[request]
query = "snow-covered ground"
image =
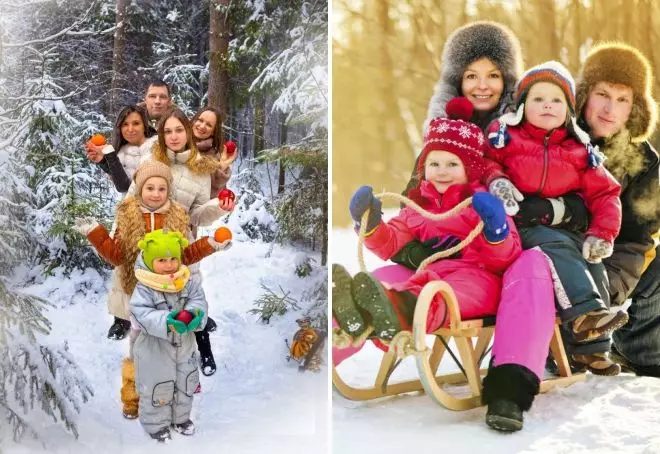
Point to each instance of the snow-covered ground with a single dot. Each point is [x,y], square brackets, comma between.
[602,414]
[256,402]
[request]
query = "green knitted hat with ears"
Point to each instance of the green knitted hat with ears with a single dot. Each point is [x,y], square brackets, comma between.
[161,243]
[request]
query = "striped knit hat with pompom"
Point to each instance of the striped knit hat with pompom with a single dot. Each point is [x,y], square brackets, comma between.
[550,71]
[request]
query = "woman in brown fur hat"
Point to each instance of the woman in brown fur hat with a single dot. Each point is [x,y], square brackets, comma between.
[151,209]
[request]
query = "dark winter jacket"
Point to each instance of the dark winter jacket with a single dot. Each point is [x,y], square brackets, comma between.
[634,248]
[552,164]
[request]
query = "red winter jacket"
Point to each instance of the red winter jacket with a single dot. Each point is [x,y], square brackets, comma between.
[552,164]
[388,238]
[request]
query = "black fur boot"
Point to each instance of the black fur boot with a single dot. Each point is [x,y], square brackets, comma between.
[508,390]
[205,353]
[119,329]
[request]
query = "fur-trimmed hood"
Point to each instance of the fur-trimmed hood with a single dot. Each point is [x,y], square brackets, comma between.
[619,63]
[467,44]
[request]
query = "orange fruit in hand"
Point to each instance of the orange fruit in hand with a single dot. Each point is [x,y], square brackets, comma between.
[98,139]
[222,234]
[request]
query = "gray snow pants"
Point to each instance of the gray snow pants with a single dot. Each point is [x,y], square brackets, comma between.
[166,376]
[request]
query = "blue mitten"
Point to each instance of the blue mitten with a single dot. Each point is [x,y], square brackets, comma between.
[491,210]
[362,200]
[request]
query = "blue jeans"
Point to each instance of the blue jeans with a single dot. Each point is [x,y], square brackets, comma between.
[639,340]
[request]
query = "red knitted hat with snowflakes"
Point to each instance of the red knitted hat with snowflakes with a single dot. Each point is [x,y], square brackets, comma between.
[456,135]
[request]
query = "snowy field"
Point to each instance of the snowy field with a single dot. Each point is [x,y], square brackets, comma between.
[255,403]
[602,414]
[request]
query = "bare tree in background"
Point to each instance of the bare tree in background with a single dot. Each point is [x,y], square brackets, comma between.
[218,48]
[118,60]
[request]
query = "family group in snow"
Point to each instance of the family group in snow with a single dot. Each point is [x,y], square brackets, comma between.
[170,169]
[562,175]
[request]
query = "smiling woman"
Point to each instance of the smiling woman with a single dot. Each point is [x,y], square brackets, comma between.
[482,84]
[481,61]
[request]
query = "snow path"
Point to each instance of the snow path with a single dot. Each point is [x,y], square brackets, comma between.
[255,401]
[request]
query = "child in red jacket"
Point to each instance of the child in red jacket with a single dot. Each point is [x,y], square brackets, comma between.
[449,167]
[540,150]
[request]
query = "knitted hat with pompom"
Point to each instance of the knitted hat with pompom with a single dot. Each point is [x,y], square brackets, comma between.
[456,135]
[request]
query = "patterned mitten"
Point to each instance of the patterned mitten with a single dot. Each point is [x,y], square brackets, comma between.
[507,193]
[594,249]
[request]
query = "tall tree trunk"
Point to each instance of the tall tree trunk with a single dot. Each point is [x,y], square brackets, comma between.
[118,62]
[259,124]
[284,133]
[577,40]
[548,30]
[324,236]
[218,49]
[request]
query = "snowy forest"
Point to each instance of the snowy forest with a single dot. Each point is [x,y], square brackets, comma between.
[67,67]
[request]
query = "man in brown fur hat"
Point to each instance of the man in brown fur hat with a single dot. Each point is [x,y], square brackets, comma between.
[616,106]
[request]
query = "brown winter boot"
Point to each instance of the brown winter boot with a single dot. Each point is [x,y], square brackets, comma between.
[598,364]
[129,396]
[594,324]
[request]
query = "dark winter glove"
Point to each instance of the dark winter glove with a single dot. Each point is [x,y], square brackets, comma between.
[362,200]
[194,323]
[415,252]
[176,326]
[568,212]
[491,210]
[577,217]
[534,210]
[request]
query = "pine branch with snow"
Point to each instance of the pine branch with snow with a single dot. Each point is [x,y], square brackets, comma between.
[271,304]
[34,376]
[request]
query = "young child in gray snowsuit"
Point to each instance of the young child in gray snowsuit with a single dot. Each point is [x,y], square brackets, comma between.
[165,352]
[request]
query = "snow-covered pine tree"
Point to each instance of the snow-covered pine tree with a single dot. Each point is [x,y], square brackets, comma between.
[40,170]
[174,34]
[297,75]
[34,376]
[61,179]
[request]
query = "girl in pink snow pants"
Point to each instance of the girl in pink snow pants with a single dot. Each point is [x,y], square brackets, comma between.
[449,168]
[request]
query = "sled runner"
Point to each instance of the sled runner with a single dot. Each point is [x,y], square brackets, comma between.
[472,338]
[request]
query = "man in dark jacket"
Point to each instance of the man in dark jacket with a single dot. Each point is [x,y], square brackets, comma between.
[615,105]
[614,99]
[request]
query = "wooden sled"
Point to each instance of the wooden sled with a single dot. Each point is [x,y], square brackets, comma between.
[427,359]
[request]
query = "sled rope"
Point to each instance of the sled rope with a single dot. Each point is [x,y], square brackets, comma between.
[391,196]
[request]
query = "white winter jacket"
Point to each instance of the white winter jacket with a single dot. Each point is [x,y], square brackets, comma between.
[132,155]
[191,190]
